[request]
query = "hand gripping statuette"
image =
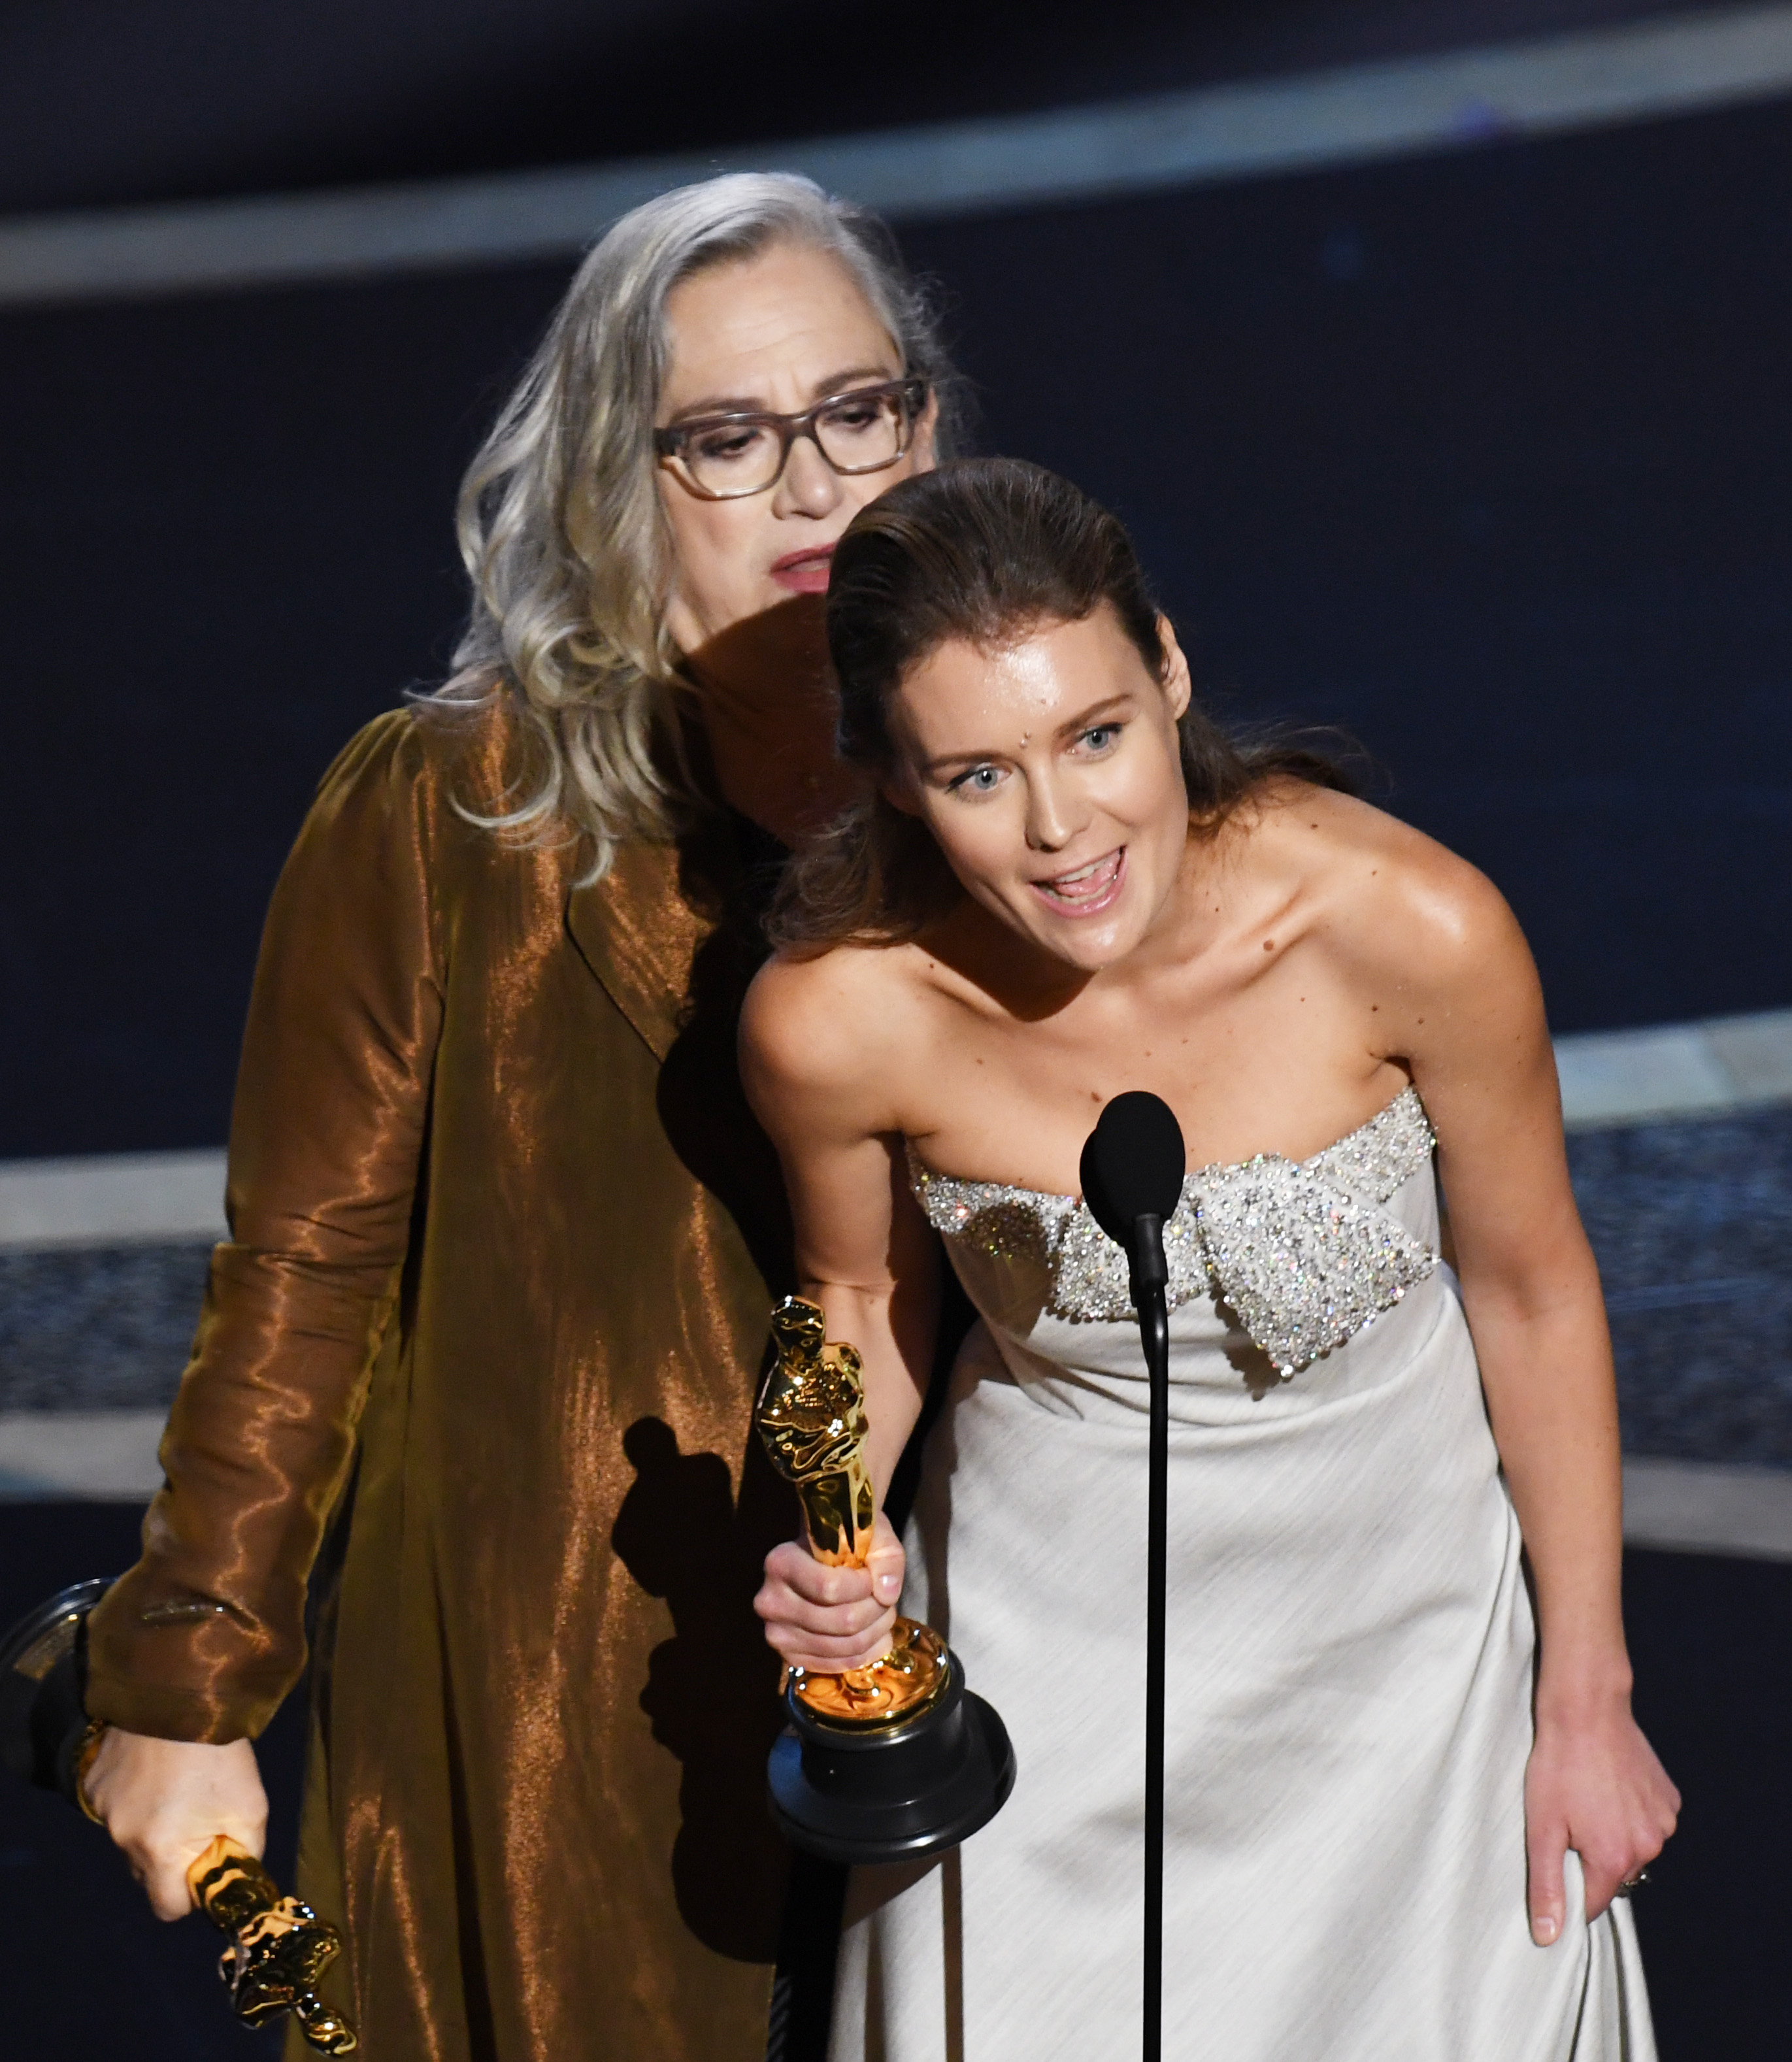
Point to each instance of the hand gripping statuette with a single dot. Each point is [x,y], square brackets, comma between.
[278,1946]
[899,1759]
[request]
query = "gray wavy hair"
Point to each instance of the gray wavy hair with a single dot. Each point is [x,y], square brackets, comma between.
[559,521]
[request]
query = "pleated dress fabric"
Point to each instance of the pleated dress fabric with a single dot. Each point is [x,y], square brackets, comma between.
[1350,1664]
[478,1359]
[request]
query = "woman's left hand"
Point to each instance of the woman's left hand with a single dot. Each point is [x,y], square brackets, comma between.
[1594,1784]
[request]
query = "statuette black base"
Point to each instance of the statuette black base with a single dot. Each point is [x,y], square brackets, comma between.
[42,1684]
[895,1793]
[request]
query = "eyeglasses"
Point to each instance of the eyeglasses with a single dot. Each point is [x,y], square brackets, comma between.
[721,458]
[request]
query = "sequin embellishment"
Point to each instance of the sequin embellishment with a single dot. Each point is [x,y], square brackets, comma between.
[1302,1252]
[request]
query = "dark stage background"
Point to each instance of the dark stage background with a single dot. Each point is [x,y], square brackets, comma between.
[1485,455]
[104,103]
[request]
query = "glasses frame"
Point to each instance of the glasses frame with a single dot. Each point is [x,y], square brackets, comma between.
[911,392]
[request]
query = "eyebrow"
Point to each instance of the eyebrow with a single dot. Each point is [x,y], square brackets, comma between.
[1088,719]
[754,404]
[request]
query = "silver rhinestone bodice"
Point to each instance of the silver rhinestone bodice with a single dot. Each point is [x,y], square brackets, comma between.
[1301,1252]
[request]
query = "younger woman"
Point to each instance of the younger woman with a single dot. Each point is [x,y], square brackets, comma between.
[1067,884]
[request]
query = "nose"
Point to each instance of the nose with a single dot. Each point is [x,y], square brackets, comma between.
[1051,813]
[808,485]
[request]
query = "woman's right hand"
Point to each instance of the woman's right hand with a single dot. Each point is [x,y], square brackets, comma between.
[165,1801]
[827,1620]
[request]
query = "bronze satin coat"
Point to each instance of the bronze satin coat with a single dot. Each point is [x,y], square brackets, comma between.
[486,1332]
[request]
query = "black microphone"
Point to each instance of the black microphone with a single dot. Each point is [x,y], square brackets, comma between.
[1132,1170]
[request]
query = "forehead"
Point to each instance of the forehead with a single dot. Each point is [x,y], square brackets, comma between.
[965,696]
[789,314]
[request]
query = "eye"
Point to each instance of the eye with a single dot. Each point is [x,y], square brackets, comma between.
[1100,737]
[857,414]
[978,780]
[726,444]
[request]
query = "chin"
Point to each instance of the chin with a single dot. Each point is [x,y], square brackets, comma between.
[1087,946]
[1097,954]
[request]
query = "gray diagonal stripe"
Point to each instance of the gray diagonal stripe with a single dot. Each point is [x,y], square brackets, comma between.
[1457,99]
[1608,1077]
[1677,1506]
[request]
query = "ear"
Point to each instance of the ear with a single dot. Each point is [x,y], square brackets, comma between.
[924,455]
[899,792]
[1179,687]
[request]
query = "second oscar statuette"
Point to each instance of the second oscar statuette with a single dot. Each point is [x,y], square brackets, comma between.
[894,1761]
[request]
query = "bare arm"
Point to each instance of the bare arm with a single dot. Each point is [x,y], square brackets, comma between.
[1468,1013]
[822,1087]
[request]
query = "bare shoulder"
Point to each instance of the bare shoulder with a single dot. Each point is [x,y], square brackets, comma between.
[829,1025]
[1390,900]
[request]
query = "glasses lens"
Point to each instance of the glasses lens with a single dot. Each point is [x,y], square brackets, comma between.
[859,432]
[732,458]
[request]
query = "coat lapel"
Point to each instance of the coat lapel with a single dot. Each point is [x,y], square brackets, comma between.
[638,933]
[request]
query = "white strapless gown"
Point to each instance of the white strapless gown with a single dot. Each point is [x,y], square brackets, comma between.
[1349,1659]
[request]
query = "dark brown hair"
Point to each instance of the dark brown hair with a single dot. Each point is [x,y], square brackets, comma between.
[974,552]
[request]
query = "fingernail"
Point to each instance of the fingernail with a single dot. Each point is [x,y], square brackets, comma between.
[1543,1929]
[887,1585]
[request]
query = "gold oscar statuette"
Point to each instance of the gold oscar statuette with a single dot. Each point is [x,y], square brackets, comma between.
[899,1759]
[278,1946]
[811,1417]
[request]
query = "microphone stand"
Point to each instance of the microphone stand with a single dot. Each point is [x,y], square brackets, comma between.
[1149,1278]
[1133,1168]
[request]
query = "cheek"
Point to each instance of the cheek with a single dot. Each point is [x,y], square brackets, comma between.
[859,490]
[711,546]
[1146,784]
[980,842]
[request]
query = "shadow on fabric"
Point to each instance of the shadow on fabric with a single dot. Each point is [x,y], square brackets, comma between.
[711,1688]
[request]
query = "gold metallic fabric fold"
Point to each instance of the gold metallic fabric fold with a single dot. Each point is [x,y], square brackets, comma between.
[504,1234]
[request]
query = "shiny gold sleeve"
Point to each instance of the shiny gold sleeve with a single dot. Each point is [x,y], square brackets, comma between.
[204,1636]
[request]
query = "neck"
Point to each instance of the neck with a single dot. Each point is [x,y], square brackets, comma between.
[1013,971]
[766,692]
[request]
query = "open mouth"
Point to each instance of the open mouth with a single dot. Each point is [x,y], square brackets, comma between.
[1084,890]
[805,572]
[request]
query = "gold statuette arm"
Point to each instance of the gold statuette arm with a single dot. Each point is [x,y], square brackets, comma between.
[811,1415]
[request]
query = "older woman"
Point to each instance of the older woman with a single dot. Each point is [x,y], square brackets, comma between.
[502,1231]
[1400,1799]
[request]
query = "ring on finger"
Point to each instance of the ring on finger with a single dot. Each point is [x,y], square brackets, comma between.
[1631,1883]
